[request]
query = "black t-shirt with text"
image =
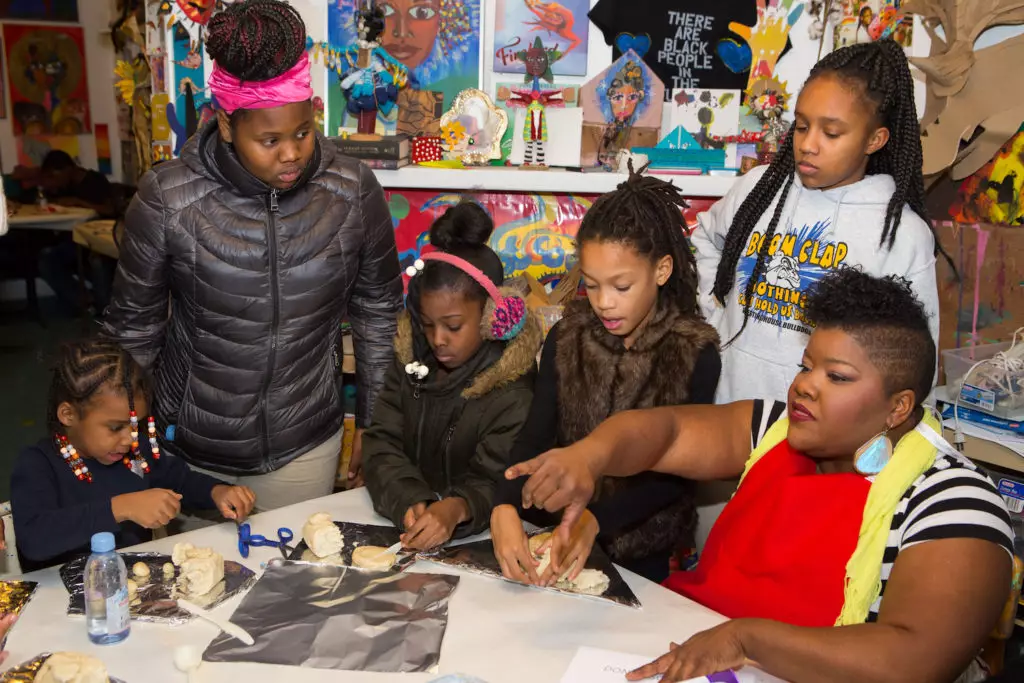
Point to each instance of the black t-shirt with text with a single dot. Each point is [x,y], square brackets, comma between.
[684,37]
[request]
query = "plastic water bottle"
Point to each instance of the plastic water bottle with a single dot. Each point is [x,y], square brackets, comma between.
[106,593]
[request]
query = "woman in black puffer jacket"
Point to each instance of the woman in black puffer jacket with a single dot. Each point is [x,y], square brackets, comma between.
[262,238]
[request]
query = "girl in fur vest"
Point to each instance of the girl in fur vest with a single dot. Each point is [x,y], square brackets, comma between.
[458,391]
[637,341]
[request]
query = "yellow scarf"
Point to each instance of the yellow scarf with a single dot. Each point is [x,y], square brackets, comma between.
[913,456]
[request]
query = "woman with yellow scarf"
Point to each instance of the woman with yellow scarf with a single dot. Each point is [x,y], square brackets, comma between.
[859,545]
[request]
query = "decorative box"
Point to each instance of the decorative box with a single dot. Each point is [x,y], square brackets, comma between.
[426,149]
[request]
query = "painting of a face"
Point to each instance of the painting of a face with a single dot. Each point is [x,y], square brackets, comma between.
[410,29]
[536,62]
[624,99]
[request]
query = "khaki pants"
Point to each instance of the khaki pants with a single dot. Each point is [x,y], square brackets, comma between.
[309,476]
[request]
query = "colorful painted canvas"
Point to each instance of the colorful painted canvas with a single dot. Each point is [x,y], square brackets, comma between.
[533,233]
[32,149]
[104,163]
[438,40]
[40,10]
[708,114]
[49,86]
[993,194]
[563,26]
[866,20]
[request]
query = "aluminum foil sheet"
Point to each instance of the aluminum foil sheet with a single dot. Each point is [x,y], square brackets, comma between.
[331,617]
[157,595]
[14,595]
[478,558]
[353,536]
[26,672]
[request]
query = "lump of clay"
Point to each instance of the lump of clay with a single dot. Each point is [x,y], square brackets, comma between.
[180,553]
[589,582]
[322,535]
[537,541]
[72,667]
[141,570]
[373,557]
[201,568]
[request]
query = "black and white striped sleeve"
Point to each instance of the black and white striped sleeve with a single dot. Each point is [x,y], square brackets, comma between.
[766,413]
[954,501]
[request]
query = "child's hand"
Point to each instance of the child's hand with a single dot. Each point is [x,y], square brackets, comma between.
[150,509]
[234,502]
[572,555]
[511,547]
[436,525]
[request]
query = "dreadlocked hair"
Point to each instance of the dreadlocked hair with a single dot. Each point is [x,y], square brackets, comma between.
[647,214]
[84,368]
[881,72]
[256,40]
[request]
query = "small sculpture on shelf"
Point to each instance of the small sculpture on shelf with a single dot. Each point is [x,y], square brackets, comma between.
[534,100]
[471,130]
[768,99]
[370,77]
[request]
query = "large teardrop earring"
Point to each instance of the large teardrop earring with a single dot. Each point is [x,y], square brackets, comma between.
[874,455]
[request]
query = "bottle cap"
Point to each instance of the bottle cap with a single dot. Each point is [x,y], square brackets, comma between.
[103,542]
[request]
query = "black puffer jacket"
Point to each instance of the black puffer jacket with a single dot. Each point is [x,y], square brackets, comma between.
[246,361]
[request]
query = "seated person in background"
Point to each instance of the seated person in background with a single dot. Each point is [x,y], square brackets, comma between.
[98,473]
[637,341]
[68,184]
[457,392]
[840,558]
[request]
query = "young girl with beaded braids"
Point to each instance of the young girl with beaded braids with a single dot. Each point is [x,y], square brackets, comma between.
[637,341]
[845,189]
[263,238]
[98,472]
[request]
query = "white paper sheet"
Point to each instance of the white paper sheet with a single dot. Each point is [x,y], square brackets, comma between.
[591,665]
[565,136]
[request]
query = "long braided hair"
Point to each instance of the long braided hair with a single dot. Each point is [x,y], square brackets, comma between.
[84,368]
[881,72]
[647,214]
[256,40]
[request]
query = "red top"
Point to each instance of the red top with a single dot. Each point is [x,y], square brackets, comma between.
[780,547]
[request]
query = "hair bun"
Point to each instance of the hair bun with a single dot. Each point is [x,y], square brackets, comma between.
[256,40]
[464,225]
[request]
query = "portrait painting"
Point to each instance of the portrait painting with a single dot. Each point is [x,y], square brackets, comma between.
[437,40]
[49,86]
[625,94]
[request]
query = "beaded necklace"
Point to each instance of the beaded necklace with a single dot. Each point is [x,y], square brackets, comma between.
[77,464]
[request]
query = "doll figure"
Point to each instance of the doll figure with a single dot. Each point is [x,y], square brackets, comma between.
[373,78]
[535,129]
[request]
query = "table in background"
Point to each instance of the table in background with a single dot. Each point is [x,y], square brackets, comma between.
[61,218]
[497,631]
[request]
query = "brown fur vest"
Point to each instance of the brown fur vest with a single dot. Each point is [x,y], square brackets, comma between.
[599,377]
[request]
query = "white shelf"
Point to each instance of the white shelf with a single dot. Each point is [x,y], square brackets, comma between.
[498,179]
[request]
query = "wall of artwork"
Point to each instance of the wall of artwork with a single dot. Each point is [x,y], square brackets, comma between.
[58,76]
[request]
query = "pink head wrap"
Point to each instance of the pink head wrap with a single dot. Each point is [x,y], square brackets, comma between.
[294,85]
